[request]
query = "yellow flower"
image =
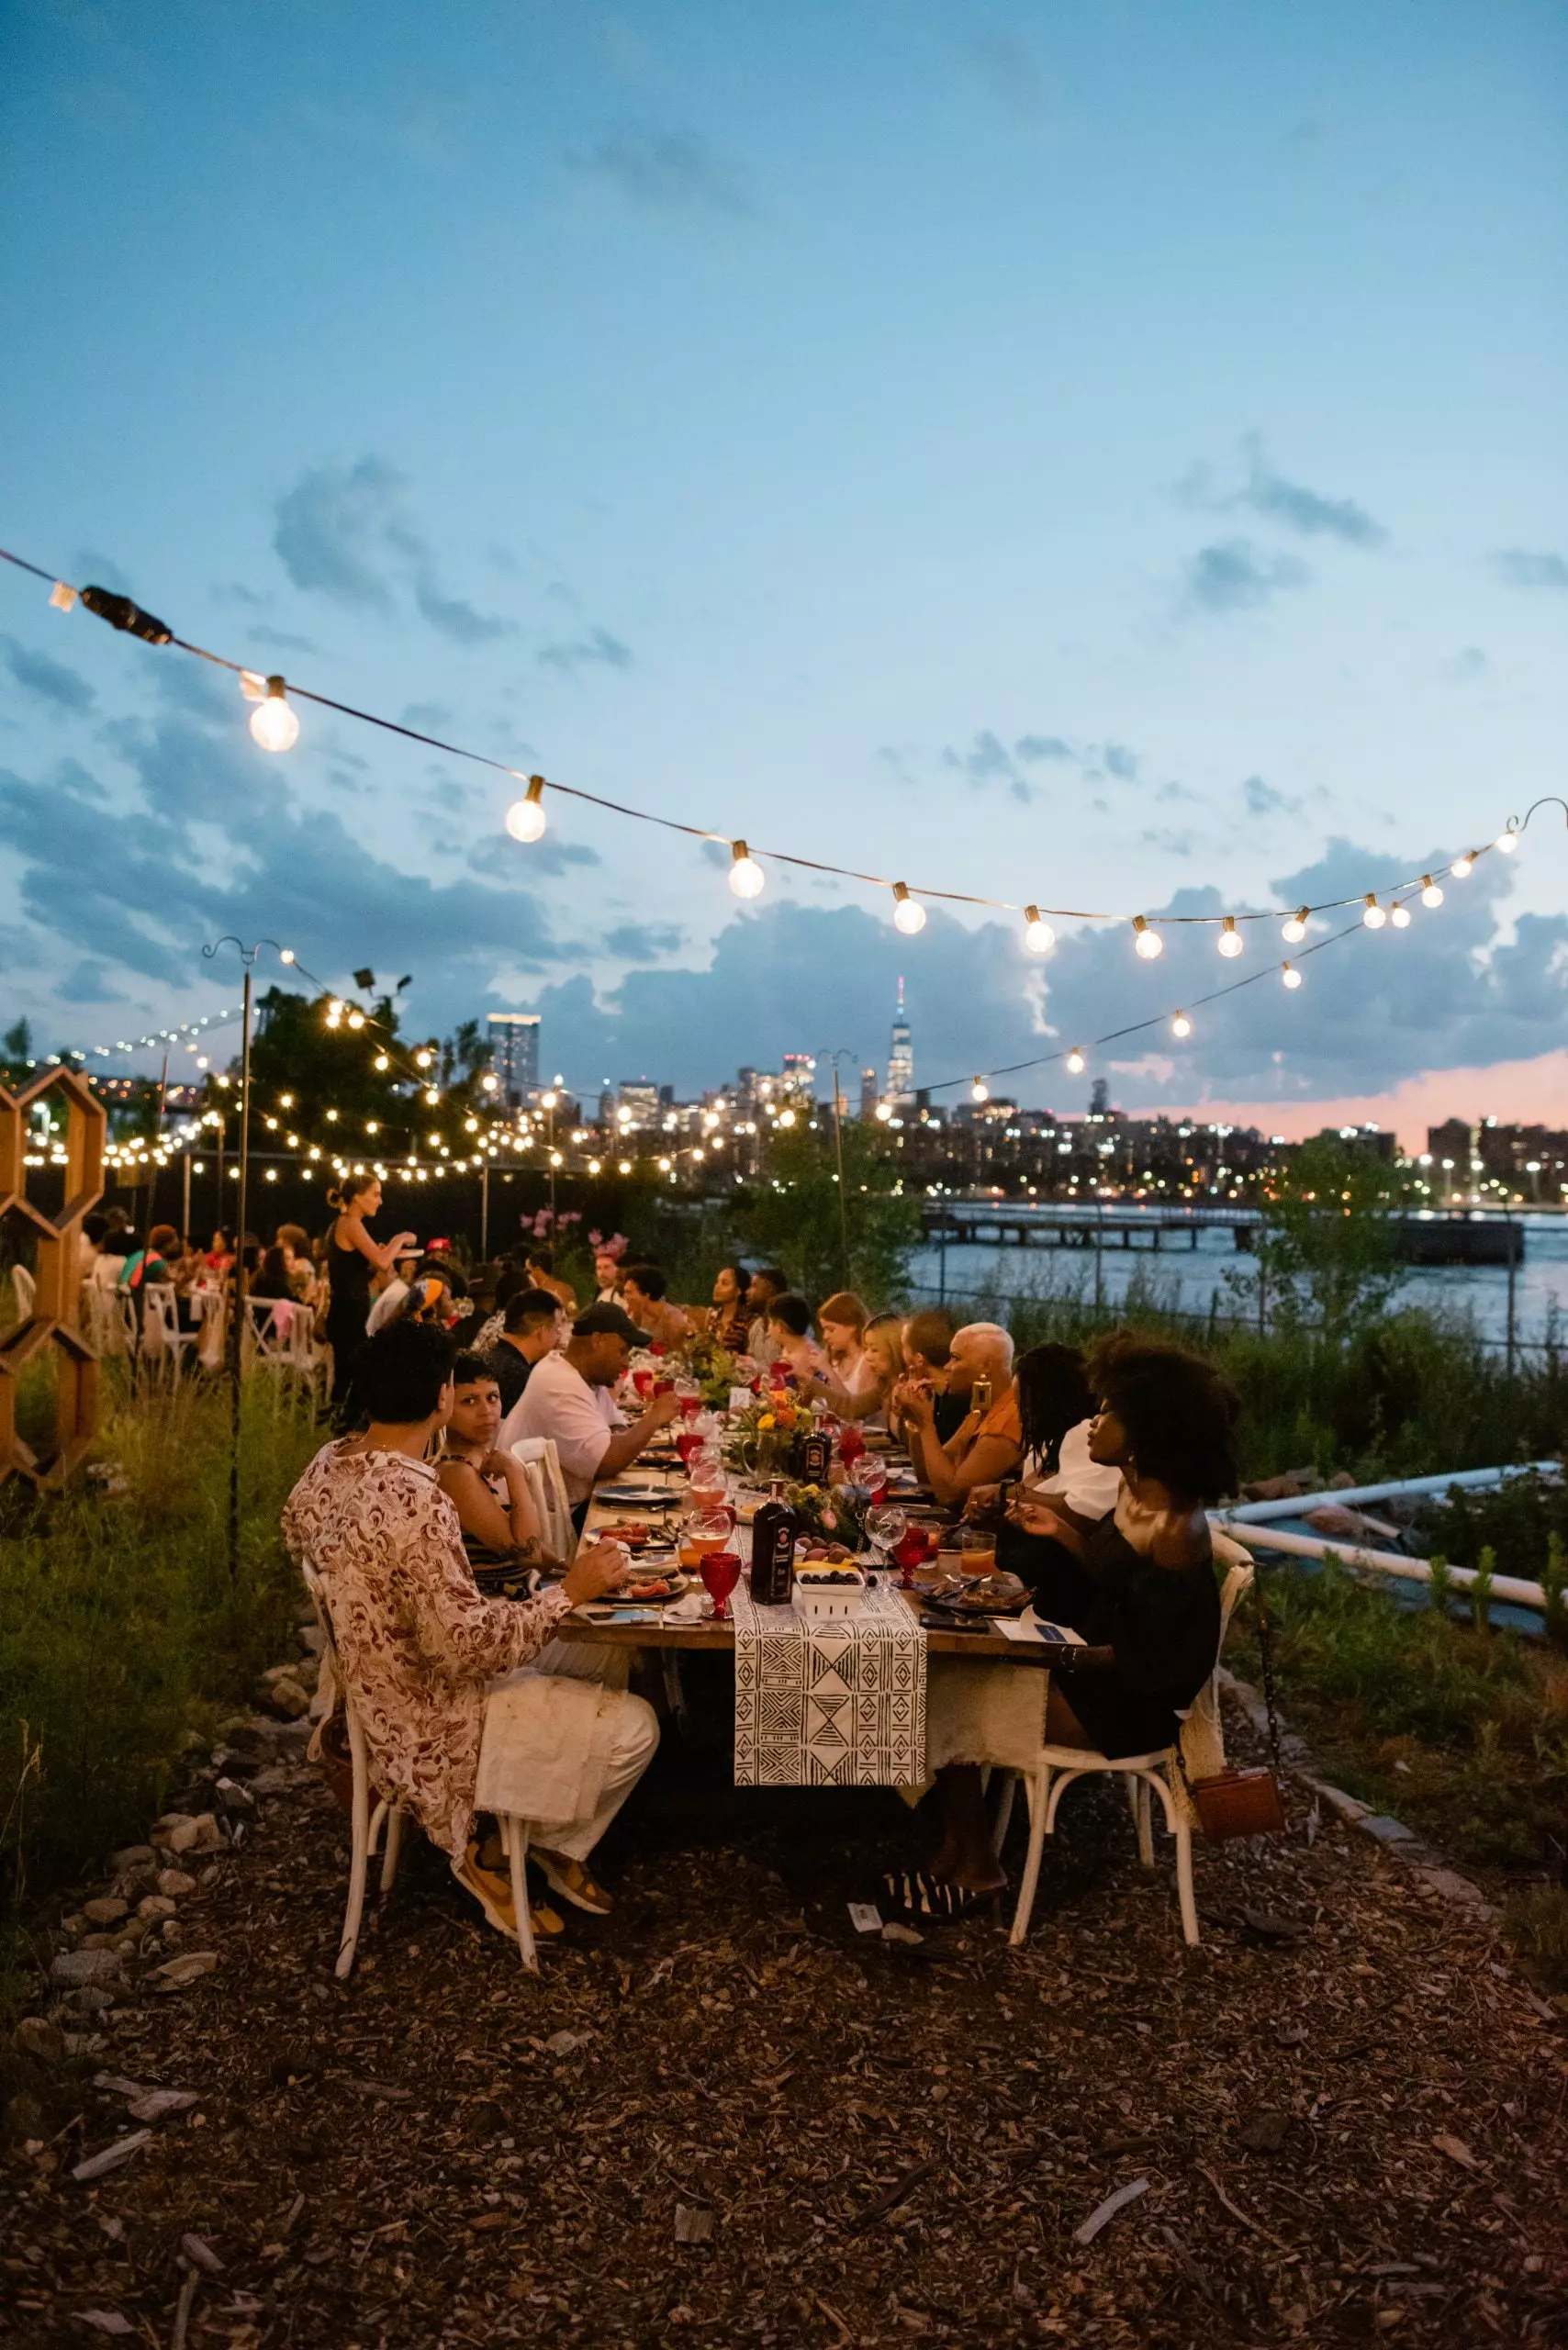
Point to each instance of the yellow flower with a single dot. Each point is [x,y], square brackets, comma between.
[765,1421]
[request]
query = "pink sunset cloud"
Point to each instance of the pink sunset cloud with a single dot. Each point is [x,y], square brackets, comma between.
[1527,1092]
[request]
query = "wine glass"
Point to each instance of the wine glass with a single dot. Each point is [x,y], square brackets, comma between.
[704,1530]
[851,1445]
[884,1525]
[720,1571]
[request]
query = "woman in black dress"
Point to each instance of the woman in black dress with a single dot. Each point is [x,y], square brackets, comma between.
[353,1255]
[1138,1586]
[1147,1610]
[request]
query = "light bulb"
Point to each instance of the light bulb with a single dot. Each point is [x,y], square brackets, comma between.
[1462,867]
[1075,1062]
[1294,931]
[431,1096]
[1400,917]
[1431,893]
[356,1020]
[884,1111]
[1149,943]
[1181,1025]
[747,877]
[286,954]
[382,1062]
[625,1166]
[1506,841]
[980,1091]
[272,724]
[1373,915]
[1039,935]
[908,914]
[1230,940]
[423,1057]
[785,1117]
[1290,975]
[526,819]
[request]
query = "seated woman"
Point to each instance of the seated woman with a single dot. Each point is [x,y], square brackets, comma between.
[1147,1605]
[731,1319]
[861,1390]
[433,1667]
[789,1331]
[487,1488]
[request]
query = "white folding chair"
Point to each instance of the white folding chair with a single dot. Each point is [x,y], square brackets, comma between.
[26,1290]
[367,1824]
[1047,1778]
[542,1464]
[162,1340]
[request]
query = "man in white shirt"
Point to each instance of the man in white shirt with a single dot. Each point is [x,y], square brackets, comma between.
[569,1398]
[389,1303]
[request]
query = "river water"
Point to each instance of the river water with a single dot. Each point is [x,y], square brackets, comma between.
[1186,1281]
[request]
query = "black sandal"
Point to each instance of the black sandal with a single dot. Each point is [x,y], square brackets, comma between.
[915,1893]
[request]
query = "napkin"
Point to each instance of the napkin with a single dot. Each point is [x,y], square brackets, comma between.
[687,1609]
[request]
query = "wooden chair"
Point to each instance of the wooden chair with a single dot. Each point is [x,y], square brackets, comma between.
[1055,1768]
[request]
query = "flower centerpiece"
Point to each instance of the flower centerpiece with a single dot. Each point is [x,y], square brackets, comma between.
[764,1441]
[713,1366]
[835,1512]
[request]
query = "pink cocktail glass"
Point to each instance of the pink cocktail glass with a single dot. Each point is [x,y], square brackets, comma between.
[720,1571]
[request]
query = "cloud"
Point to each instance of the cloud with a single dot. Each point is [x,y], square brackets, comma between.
[52,681]
[1307,510]
[665,171]
[1522,570]
[1233,575]
[639,942]
[428,717]
[1466,666]
[347,532]
[1120,762]
[1009,70]
[1262,800]
[987,761]
[89,983]
[1291,504]
[1042,747]
[599,646]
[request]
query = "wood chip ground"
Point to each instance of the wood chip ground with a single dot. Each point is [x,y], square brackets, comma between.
[1350,2111]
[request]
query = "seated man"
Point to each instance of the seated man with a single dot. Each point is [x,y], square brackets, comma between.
[390,1302]
[569,1398]
[645,1293]
[420,1650]
[534,1326]
[607,1273]
[927,1342]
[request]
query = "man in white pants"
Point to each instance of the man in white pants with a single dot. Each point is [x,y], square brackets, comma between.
[432,1666]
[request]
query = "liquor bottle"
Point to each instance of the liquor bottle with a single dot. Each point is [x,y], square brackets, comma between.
[773,1534]
[816,1452]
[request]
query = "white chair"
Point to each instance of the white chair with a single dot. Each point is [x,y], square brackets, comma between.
[162,1340]
[367,1824]
[26,1290]
[1055,1768]
[542,1464]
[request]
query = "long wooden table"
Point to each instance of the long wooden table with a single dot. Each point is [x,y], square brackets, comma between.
[988,1647]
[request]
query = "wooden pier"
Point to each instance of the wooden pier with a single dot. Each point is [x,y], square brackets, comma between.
[1441,1239]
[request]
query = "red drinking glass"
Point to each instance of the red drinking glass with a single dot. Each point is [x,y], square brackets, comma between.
[720,1571]
[643,1381]
[664,1387]
[689,1406]
[851,1445]
[688,1442]
[909,1552]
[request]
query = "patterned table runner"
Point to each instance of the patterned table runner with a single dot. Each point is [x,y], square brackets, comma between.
[829,1701]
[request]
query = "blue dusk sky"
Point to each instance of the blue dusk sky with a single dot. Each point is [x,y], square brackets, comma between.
[1112,455]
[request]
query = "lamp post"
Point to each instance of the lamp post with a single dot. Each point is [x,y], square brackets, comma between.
[843,1053]
[237,1304]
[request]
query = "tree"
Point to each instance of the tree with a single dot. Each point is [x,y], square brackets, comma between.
[294,1051]
[1327,1254]
[791,1213]
[16,1045]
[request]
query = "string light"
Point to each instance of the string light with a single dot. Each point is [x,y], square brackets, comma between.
[980,1091]
[1147,943]
[526,819]
[1181,1025]
[747,877]
[1294,931]
[1374,916]
[1431,892]
[908,914]
[1399,916]
[1230,941]
[1039,935]
[1075,1062]
[1290,975]
[272,724]
[285,955]
[1508,841]
[1463,866]
[382,1062]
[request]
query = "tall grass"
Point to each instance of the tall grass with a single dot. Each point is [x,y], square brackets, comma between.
[120,1625]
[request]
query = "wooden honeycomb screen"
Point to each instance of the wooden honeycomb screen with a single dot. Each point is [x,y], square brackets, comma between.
[55,1320]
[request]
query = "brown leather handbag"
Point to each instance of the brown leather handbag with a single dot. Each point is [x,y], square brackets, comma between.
[1246,1803]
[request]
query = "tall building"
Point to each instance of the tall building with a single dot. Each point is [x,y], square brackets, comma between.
[900,1056]
[799,1083]
[515,1035]
[868,1093]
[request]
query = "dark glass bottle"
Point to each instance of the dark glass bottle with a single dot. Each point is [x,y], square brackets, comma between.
[773,1532]
[816,1452]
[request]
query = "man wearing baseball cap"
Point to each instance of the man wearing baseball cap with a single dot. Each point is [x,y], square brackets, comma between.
[569,1397]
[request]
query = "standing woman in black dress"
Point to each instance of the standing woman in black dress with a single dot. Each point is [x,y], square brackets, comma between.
[351,1257]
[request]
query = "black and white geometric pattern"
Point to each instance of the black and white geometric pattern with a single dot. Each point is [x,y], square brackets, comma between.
[830,1701]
